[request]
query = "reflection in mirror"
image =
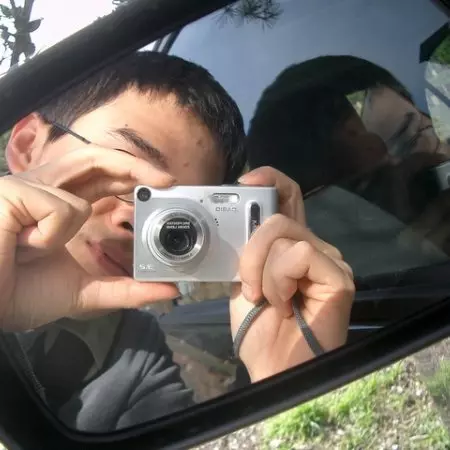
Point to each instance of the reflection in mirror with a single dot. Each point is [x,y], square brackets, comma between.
[355,142]
[345,119]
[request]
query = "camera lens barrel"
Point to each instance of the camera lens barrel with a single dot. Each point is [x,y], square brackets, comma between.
[178,236]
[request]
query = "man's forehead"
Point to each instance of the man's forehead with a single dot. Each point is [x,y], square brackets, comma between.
[386,96]
[135,115]
[161,130]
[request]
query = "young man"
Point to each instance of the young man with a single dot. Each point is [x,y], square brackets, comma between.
[67,232]
[360,166]
[323,140]
[320,138]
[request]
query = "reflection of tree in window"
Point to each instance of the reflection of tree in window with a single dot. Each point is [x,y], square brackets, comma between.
[264,11]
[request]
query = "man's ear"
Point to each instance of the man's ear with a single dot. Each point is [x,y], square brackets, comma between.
[26,143]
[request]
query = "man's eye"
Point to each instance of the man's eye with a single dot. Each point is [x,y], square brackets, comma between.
[125,151]
[405,125]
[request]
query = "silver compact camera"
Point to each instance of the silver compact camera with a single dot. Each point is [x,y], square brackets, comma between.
[196,233]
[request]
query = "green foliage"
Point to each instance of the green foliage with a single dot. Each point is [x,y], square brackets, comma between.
[439,384]
[442,53]
[357,100]
[362,415]
[303,423]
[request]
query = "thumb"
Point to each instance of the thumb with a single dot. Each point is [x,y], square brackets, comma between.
[98,294]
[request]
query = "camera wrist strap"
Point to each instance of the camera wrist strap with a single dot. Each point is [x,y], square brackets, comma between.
[308,334]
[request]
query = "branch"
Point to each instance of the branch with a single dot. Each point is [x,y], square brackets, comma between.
[5,55]
[266,12]
[23,43]
[13,6]
[27,9]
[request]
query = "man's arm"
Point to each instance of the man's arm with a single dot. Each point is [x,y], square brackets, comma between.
[160,389]
[139,382]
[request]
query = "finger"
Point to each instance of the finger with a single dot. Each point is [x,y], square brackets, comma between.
[289,193]
[273,293]
[40,219]
[120,292]
[79,210]
[256,251]
[345,267]
[303,267]
[94,172]
[290,198]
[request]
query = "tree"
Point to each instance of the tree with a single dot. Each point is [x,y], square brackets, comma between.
[15,31]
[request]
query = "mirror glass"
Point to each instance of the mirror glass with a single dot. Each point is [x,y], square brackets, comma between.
[334,95]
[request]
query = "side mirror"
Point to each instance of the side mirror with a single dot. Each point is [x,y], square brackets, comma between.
[399,308]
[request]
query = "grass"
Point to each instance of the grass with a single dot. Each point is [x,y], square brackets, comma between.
[439,384]
[389,409]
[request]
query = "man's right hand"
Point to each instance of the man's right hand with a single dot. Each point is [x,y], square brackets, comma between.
[40,211]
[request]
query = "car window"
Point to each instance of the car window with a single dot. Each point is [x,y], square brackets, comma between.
[336,96]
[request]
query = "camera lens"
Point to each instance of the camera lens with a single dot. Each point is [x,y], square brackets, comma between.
[144,194]
[178,236]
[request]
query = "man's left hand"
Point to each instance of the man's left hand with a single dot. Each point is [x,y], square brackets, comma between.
[283,258]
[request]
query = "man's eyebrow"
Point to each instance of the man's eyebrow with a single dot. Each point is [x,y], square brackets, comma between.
[136,140]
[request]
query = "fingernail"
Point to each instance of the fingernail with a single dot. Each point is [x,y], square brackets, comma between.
[172,180]
[247,291]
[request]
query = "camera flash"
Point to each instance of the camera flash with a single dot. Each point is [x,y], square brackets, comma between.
[225,198]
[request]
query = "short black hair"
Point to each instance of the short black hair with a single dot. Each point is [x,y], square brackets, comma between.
[152,72]
[295,135]
[294,120]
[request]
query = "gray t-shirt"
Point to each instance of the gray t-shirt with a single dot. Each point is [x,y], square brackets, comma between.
[137,381]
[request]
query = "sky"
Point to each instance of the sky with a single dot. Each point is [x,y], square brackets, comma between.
[64,17]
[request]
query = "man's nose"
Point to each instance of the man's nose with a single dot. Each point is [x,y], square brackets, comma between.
[127,226]
[123,219]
